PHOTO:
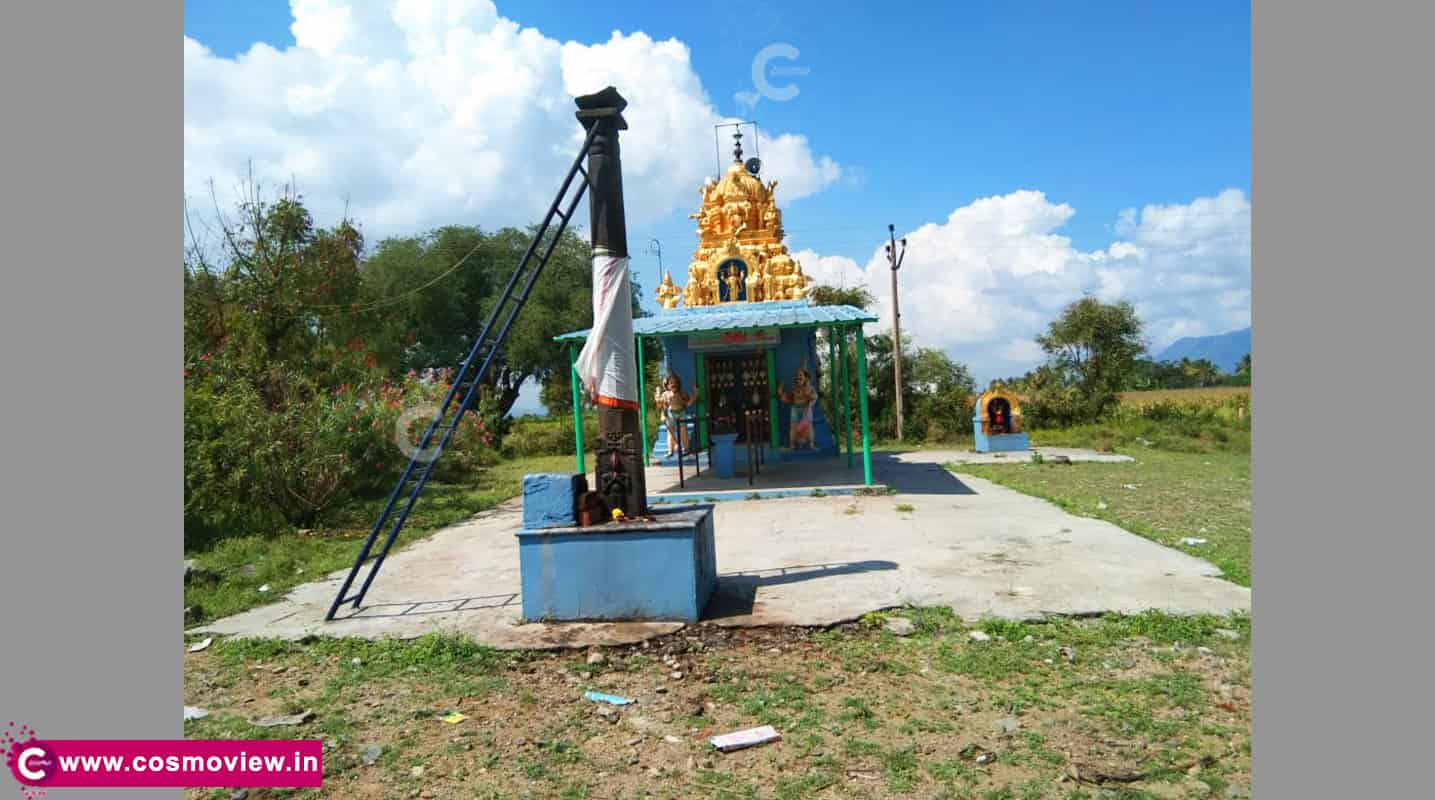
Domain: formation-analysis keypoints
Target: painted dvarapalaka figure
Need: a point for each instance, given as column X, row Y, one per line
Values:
column 672, row 402
column 800, row 400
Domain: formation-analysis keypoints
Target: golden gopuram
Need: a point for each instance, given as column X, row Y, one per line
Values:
column 740, row 257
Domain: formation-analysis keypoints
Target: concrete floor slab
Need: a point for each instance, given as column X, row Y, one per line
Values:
column 977, row 547
column 835, row 473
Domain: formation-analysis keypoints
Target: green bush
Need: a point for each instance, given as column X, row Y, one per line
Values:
column 256, row 463
column 259, row 460
column 1063, row 406
column 536, row 436
column 1182, row 437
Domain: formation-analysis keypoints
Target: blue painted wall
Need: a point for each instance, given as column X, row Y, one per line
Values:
column 793, row 345
column 621, row 572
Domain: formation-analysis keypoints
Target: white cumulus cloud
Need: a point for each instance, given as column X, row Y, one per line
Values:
column 984, row 282
column 417, row 113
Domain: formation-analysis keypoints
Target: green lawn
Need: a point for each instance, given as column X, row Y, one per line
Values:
column 232, row 570
column 1176, row 495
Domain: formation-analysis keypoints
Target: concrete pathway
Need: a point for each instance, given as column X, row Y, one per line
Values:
column 800, row 477
column 977, row 547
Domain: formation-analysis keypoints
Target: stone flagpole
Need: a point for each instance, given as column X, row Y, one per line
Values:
column 608, row 366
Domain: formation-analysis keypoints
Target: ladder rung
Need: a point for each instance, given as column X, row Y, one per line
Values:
column 470, row 375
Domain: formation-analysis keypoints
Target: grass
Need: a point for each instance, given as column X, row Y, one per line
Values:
column 232, row 570
column 1175, row 496
column 1186, row 420
column 862, row 712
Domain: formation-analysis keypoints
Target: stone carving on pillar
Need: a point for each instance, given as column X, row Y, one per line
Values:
column 619, row 470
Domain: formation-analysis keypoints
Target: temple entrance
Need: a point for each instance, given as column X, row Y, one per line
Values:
column 736, row 384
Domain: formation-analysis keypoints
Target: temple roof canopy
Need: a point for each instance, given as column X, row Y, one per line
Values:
column 741, row 316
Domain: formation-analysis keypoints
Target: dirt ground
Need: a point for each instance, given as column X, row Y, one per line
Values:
column 1149, row 706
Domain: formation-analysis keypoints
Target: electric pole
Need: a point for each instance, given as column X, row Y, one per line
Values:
column 894, row 258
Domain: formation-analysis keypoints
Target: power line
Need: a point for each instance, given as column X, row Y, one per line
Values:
column 341, row 309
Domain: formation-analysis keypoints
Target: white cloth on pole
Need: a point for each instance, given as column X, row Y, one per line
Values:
column 608, row 366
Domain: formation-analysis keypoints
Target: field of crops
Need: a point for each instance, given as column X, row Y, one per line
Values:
column 1180, row 396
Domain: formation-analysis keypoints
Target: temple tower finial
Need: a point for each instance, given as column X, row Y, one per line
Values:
column 737, row 146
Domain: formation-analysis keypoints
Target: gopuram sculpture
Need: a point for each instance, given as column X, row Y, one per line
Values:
column 739, row 218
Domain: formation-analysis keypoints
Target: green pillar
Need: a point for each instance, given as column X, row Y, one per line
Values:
column 702, row 392
column 862, row 400
column 845, row 379
column 774, row 429
column 642, row 401
column 832, row 385
column 577, row 407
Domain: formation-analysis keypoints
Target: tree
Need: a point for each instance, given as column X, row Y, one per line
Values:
column 1149, row 374
column 822, row 295
column 1243, row 367
column 435, row 328
column 270, row 432
column 1092, row 347
column 1201, row 372
column 882, row 382
column 941, row 392
column 270, row 301
column 935, row 389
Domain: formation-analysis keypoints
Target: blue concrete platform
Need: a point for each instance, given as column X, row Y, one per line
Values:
column 659, row 455
column 1000, row 443
column 550, row 500
column 649, row 571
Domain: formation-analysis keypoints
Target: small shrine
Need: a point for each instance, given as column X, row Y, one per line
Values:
column 741, row 366
column 996, row 422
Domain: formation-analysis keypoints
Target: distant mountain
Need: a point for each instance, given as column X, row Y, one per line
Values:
column 1224, row 349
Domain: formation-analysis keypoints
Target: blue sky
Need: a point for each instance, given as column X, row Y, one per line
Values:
column 927, row 108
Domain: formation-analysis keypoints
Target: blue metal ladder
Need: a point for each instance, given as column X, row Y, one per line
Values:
column 468, row 376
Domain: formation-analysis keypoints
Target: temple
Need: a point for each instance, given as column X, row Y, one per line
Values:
column 741, row 365
column 996, row 422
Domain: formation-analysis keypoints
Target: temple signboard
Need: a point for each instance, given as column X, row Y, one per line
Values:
column 733, row 340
